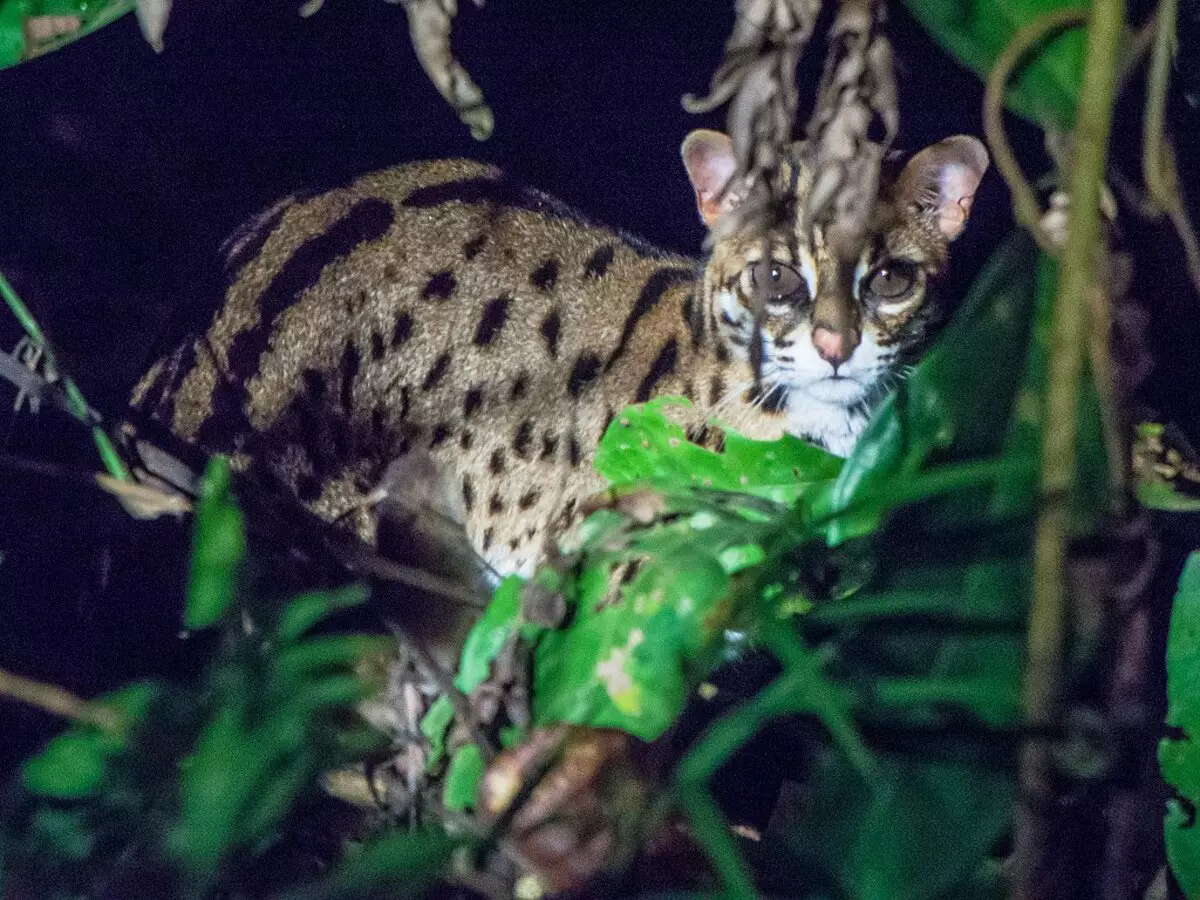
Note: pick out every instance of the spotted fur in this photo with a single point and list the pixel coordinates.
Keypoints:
(438, 307)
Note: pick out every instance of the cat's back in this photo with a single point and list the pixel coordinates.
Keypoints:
(435, 305)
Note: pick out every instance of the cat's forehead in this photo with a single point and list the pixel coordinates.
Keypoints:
(893, 228)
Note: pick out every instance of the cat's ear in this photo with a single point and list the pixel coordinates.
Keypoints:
(941, 181)
(710, 163)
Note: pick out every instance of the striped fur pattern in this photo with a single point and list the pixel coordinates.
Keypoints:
(438, 307)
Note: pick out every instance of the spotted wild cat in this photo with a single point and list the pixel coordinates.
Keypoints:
(439, 307)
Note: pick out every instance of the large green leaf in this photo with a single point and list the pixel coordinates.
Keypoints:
(642, 444)
(976, 31)
(945, 407)
(926, 828)
(1179, 753)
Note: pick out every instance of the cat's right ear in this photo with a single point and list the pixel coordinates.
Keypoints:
(710, 163)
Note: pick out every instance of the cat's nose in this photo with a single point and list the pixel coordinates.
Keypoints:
(832, 346)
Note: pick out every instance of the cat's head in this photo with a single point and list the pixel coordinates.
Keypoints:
(833, 334)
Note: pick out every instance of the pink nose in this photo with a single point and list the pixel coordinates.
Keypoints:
(834, 347)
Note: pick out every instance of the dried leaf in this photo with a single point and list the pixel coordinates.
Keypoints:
(144, 501)
(42, 29)
(429, 27)
(758, 79)
(152, 17)
(857, 91)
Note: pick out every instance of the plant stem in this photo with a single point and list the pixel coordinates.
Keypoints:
(75, 400)
(1158, 157)
(58, 702)
(1048, 614)
(1025, 203)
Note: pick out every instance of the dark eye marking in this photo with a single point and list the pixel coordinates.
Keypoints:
(891, 280)
(772, 281)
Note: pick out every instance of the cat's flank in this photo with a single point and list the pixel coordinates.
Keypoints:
(438, 307)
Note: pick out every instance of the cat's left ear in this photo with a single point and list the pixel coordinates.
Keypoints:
(941, 181)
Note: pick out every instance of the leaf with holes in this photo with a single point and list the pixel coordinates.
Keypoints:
(643, 444)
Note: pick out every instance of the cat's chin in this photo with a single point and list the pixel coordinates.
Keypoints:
(838, 391)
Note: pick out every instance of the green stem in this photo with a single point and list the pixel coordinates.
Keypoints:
(1025, 203)
(1048, 613)
(75, 399)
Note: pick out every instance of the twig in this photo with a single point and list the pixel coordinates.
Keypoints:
(1048, 613)
(1025, 203)
(1158, 156)
(77, 404)
(58, 702)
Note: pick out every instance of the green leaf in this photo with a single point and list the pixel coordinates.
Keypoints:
(74, 763)
(218, 549)
(622, 661)
(1179, 756)
(927, 826)
(399, 864)
(462, 781)
(1160, 495)
(305, 611)
(434, 725)
(945, 408)
(485, 641)
(643, 444)
(976, 31)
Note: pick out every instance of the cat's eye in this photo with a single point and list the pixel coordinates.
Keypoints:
(892, 280)
(773, 281)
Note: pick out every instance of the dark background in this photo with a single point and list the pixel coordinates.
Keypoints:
(122, 170)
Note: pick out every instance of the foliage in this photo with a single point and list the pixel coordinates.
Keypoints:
(891, 589)
(976, 31)
(200, 778)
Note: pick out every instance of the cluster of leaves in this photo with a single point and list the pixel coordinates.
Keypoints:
(891, 588)
(905, 571)
(189, 784)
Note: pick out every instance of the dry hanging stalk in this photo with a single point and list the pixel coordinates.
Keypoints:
(857, 96)
(758, 80)
(429, 27)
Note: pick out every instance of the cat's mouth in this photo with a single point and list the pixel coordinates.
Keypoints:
(842, 390)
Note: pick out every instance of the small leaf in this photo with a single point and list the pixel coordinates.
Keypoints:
(218, 549)
(485, 641)
(976, 31)
(434, 725)
(462, 781)
(72, 765)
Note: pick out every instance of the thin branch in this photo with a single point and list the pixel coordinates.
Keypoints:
(77, 404)
(58, 702)
(1158, 156)
(1025, 202)
(1048, 613)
